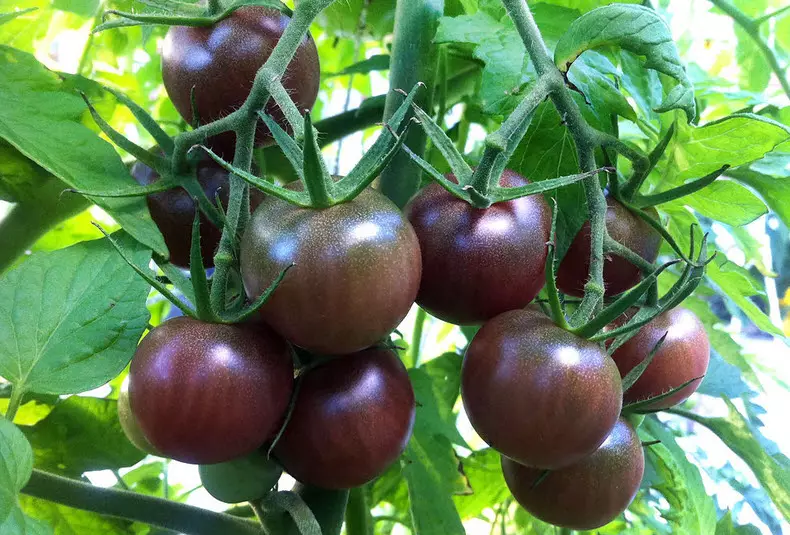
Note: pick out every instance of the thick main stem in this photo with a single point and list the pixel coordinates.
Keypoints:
(358, 518)
(413, 60)
(138, 507)
(584, 137)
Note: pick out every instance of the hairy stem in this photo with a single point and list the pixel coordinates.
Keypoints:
(138, 507)
(752, 28)
(413, 60)
(586, 139)
(358, 518)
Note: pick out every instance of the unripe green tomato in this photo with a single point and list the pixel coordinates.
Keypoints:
(241, 480)
(129, 423)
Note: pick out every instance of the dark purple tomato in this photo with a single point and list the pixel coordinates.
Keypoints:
(356, 273)
(206, 393)
(588, 494)
(352, 419)
(173, 210)
(477, 263)
(537, 393)
(129, 423)
(619, 274)
(221, 61)
(683, 356)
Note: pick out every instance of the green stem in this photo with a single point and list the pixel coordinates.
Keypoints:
(120, 480)
(358, 518)
(137, 507)
(14, 403)
(413, 60)
(610, 245)
(416, 337)
(27, 221)
(752, 28)
(586, 139)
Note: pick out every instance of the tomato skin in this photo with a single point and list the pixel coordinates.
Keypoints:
(619, 275)
(683, 356)
(352, 419)
(206, 393)
(537, 393)
(221, 62)
(478, 263)
(173, 210)
(129, 423)
(588, 494)
(356, 273)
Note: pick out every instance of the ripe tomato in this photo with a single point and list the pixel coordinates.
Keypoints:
(129, 423)
(479, 263)
(619, 275)
(206, 393)
(588, 494)
(356, 273)
(537, 393)
(683, 356)
(173, 210)
(221, 61)
(353, 418)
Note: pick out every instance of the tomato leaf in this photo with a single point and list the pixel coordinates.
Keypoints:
(73, 317)
(692, 511)
(639, 30)
(483, 468)
(770, 466)
(43, 115)
(6, 17)
(19, 524)
(79, 435)
(726, 527)
(68, 521)
(16, 465)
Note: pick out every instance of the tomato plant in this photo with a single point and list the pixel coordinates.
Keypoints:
(409, 267)
(351, 420)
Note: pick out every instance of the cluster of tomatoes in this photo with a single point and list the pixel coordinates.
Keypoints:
(548, 400)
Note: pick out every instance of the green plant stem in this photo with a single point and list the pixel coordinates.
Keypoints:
(413, 60)
(416, 337)
(27, 221)
(120, 480)
(14, 402)
(586, 139)
(138, 507)
(358, 518)
(752, 28)
(610, 245)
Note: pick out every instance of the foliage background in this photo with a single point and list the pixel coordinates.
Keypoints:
(696, 482)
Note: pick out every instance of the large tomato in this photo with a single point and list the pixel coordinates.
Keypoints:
(356, 270)
(207, 393)
(220, 63)
(477, 263)
(619, 274)
(173, 210)
(537, 393)
(588, 494)
(683, 356)
(352, 418)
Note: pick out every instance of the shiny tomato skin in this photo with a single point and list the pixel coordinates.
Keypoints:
(588, 494)
(619, 275)
(352, 419)
(683, 356)
(221, 61)
(478, 263)
(206, 393)
(173, 210)
(537, 393)
(355, 276)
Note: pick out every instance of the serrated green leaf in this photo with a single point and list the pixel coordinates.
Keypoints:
(445, 375)
(378, 62)
(43, 115)
(591, 75)
(16, 465)
(755, 72)
(726, 527)
(691, 509)
(82, 434)
(72, 317)
(483, 468)
(639, 30)
(770, 466)
(728, 202)
(67, 521)
(11, 15)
